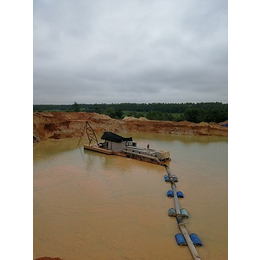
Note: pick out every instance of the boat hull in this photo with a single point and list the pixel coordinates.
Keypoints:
(98, 149)
(128, 154)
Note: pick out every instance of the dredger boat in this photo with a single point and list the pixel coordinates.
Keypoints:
(123, 146)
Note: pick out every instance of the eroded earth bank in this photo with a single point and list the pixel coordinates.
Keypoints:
(57, 125)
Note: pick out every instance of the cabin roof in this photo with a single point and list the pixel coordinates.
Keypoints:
(109, 136)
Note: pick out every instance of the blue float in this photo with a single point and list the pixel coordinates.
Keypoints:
(180, 194)
(166, 178)
(180, 240)
(195, 239)
(170, 193)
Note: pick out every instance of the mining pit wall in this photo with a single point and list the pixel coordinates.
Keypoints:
(57, 125)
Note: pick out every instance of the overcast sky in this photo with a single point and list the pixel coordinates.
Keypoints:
(143, 51)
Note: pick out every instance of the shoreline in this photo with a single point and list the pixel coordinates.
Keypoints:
(60, 125)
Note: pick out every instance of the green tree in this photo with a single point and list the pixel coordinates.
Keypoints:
(111, 112)
(97, 109)
(118, 113)
(75, 107)
(192, 114)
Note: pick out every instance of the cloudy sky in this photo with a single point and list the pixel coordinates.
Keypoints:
(143, 51)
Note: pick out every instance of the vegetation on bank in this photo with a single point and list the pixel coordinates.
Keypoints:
(193, 112)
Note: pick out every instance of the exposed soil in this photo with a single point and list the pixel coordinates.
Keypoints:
(57, 125)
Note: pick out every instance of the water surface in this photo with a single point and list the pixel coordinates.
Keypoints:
(94, 206)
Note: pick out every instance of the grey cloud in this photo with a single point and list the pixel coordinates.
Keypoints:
(138, 50)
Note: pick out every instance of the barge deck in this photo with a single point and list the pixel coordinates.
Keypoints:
(126, 147)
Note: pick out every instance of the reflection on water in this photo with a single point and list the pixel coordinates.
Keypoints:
(93, 206)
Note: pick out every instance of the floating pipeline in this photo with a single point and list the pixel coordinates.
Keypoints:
(171, 194)
(170, 178)
(183, 238)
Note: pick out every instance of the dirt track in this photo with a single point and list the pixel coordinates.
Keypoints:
(57, 125)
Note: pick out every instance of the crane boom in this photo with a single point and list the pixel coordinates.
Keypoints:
(90, 133)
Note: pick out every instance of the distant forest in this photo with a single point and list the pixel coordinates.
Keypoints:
(193, 112)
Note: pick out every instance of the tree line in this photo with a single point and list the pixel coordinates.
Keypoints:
(193, 112)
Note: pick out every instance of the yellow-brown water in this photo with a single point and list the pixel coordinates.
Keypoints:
(94, 206)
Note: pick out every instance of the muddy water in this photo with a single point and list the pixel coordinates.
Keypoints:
(94, 206)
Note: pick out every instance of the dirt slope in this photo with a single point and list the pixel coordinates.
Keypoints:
(56, 125)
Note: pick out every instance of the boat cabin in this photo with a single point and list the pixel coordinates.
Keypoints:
(115, 142)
